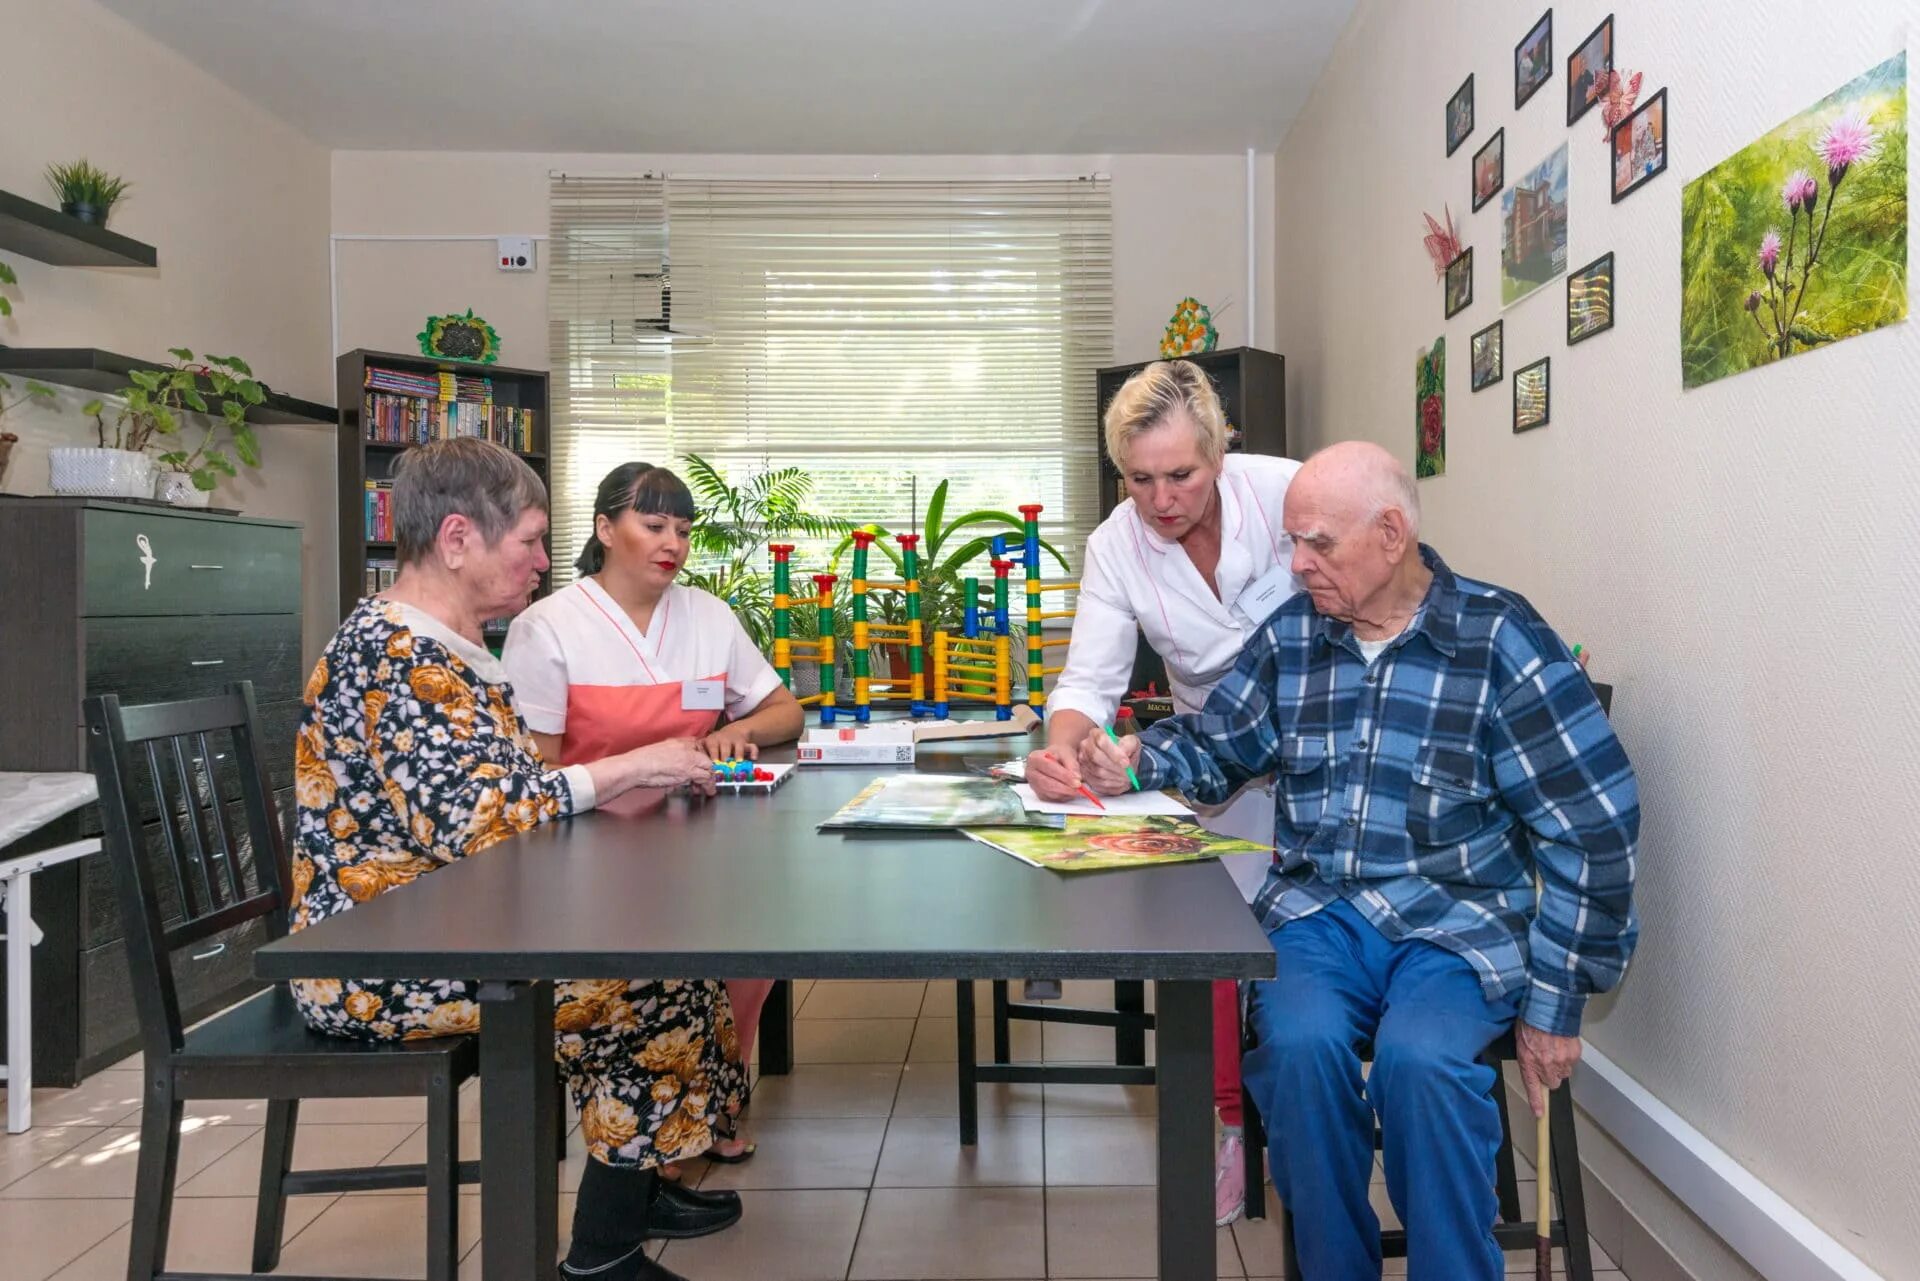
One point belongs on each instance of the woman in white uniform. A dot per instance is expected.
(1196, 559)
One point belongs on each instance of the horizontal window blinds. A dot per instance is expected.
(611, 361)
(882, 334)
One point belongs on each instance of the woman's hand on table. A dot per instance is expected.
(1053, 775)
(730, 743)
(1104, 763)
(674, 762)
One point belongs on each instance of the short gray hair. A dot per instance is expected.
(488, 484)
(1396, 488)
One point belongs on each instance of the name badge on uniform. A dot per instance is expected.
(702, 696)
(1264, 595)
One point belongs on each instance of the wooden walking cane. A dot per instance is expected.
(1543, 1165)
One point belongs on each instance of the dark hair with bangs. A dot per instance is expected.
(634, 487)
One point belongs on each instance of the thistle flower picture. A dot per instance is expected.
(1799, 239)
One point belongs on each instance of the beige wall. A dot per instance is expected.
(1739, 557)
(1178, 228)
(234, 199)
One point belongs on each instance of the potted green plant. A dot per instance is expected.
(730, 539)
(87, 192)
(155, 411)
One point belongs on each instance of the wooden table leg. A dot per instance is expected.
(519, 1181)
(1183, 1047)
(776, 1030)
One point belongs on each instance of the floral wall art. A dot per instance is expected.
(1430, 410)
(1800, 238)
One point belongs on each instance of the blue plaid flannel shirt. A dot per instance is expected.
(1428, 788)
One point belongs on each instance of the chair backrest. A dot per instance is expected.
(185, 865)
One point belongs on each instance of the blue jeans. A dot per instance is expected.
(1339, 983)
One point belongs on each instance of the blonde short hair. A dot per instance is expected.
(1147, 398)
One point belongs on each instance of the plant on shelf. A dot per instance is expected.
(737, 522)
(7, 278)
(87, 192)
(156, 408)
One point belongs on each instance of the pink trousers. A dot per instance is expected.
(1226, 1051)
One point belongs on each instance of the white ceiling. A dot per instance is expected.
(765, 76)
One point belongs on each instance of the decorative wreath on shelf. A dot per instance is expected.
(1190, 332)
(467, 337)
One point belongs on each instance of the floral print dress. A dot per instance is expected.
(410, 756)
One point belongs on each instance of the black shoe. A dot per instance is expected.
(679, 1212)
(632, 1266)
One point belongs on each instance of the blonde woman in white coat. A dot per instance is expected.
(1196, 559)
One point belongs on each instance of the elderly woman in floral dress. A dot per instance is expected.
(411, 756)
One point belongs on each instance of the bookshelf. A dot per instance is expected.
(406, 404)
(1253, 392)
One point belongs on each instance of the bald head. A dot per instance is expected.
(1359, 478)
(1354, 516)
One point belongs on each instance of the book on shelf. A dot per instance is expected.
(379, 511)
(401, 408)
(380, 575)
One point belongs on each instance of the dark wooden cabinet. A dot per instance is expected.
(1253, 391)
(150, 603)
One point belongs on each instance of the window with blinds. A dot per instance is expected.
(885, 335)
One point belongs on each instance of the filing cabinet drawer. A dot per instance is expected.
(135, 563)
(208, 976)
(154, 660)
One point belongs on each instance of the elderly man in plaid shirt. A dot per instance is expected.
(1435, 748)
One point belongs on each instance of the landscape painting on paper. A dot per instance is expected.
(1533, 228)
(1800, 238)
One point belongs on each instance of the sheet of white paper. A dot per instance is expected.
(1132, 805)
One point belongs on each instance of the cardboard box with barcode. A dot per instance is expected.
(894, 742)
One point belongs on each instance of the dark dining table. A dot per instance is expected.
(743, 886)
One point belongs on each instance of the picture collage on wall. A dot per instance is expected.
(1536, 237)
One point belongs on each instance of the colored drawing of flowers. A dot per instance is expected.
(1430, 410)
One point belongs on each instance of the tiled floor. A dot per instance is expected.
(860, 1174)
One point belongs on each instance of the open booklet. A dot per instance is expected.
(912, 800)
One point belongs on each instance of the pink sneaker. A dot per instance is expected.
(1230, 1182)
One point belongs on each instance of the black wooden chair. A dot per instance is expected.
(1129, 1019)
(1512, 1231)
(205, 875)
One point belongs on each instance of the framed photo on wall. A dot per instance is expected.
(1459, 116)
(1590, 299)
(1586, 66)
(1460, 283)
(1532, 395)
(1640, 147)
(1533, 60)
(1490, 168)
(1487, 356)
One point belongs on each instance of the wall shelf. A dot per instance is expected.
(50, 236)
(91, 369)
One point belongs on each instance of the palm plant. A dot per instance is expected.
(737, 522)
